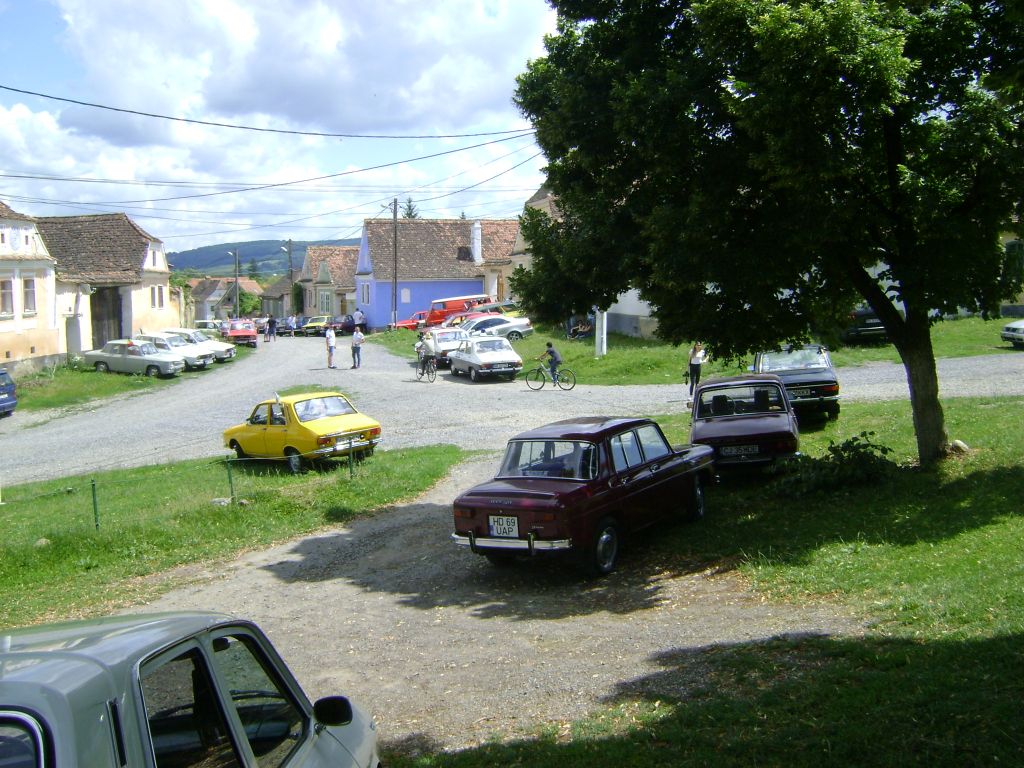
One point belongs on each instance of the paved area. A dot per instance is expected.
(186, 420)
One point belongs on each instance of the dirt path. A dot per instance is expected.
(446, 650)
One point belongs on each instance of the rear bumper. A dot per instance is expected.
(530, 544)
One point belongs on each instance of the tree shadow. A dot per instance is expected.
(409, 553)
(793, 701)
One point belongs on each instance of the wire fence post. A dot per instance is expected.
(95, 506)
(351, 460)
(231, 481)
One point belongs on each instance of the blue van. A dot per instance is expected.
(8, 394)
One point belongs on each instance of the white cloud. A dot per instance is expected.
(339, 66)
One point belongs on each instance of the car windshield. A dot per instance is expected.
(793, 359)
(322, 408)
(568, 459)
(493, 345)
(749, 399)
(176, 341)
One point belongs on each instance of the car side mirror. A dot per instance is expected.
(333, 710)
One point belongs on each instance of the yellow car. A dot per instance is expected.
(304, 427)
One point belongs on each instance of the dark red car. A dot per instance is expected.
(579, 485)
(239, 332)
(747, 420)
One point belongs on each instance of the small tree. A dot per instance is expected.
(298, 299)
(409, 210)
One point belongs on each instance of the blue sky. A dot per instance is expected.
(391, 68)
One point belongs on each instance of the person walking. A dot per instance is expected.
(271, 329)
(329, 336)
(357, 347)
(359, 319)
(697, 357)
(555, 359)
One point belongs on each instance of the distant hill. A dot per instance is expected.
(267, 254)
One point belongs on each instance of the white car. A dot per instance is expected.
(1014, 333)
(440, 341)
(485, 356)
(222, 351)
(195, 356)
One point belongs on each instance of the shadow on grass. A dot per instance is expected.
(807, 701)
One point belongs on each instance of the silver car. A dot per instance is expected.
(196, 357)
(512, 328)
(129, 356)
(170, 689)
(1014, 333)
(222, 351)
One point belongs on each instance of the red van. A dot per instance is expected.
(442, 308)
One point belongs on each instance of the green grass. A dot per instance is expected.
(930, 560)
(153, 518)
(649, 361)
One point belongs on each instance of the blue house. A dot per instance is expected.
(435, 258)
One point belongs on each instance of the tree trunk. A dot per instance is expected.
(915, 348)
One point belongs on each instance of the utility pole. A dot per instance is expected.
(394, 276)
(237, 295)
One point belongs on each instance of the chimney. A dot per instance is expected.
(476, 243)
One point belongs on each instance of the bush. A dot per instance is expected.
(855, 461)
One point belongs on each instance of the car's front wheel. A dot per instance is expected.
(237, 449)
(102, 367)
(473, 375)
(152, 371)
(603, 553)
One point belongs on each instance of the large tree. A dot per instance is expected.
(754, 168)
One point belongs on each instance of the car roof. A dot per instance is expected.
(300, 396)
(736, 381)
(64, 656)
(588, 428)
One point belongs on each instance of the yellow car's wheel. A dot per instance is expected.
(294, 459)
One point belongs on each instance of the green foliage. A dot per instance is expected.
(298, 299)
(248, 303)
(409, 210)
(855, 461)
(752, 166)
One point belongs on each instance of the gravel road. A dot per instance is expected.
(445, 650)
(185, 421)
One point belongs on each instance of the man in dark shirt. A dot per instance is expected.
(554, 361)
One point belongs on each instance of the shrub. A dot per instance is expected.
(855, 461)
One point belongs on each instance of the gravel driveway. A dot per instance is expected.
(445, 650)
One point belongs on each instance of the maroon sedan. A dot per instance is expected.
(748, 420)
(579, 485)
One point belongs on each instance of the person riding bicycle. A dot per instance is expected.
(554, 361)
(424, 352)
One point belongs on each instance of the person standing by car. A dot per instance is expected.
(359, 319)
(357, 347)
(329, 336)
(271, 329)
(697, 357)
(555, 359)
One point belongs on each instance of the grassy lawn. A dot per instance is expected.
(649, 361)
(931, 561)
(153, 518)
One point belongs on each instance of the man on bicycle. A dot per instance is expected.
(554, 361)
(424, 352)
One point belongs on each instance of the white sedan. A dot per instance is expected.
(439, 342)
(222, 351)
(477, 357)
(1014, 333)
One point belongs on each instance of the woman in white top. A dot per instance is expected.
(697, 357)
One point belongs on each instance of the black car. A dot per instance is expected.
(343, 324)
(807, 373)
(864, 326)
(8, 394)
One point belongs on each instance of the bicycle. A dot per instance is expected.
(536, 378)
(427, 367)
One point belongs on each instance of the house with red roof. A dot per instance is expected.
(406, 264)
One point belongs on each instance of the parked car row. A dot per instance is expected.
(160, 353)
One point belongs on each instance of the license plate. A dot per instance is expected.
(800, 392)
(505, 526)
(738, 450)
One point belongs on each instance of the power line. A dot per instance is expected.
(256, 129)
